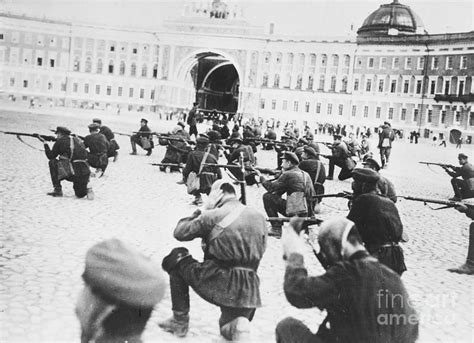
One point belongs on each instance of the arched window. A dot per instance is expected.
(333, 83)
(88, 67)
(321, 83)
(312, 59)
(122, 68)
(290, 58)
(111, 67)
(299, 81)
(347, 60)
(310, 82)
(265, 80)
(133, 70)
(287, 80)
(144, 70)
(155, 71)
(344, 84)
(268, 57)
(278, 58)
(99, 66)
(301, 59)
(77, 64)
(324, 60)
(335, 60)
(276, 81)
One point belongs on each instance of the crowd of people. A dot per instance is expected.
(361, 252)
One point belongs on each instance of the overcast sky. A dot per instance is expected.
(291, 17)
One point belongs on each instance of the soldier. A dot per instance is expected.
(143, 138)
(70, 151)
(377, 220)
(234, 240)
(176, 151)
(192, 120)
(361, 295)
(364, 147)
(238, 148)
(384, 186)
(107, 132)
(121, 288)
(468, 266)
(98, 146)
(386, 137)
(341, 157)
(464, 187)
(299, 188)
(314, 168)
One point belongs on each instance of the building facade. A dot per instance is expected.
(391, 71)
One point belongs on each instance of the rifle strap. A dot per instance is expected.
(31, 146)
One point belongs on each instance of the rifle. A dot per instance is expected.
(448, 203)
(329, 145)
(438, 164)
(267, 171)
(123, 134)
(344, 194)
(176, 165)
(175, 139)
(35, 135)
(326, 156)
(306, 220)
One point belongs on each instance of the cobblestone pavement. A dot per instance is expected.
(44, 239)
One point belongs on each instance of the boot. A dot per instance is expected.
(466, 268)
(133, 153)
(275, 231)
(116, 156)
(57, 192)
(237, 330)
(178, 324)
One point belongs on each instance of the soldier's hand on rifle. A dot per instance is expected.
(461, 208)
(41, 139)
(291, 241)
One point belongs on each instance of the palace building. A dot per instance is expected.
(391, 70)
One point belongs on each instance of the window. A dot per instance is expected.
(122, 68)
(418, 87)
(290, 58)
(344, 84)
(112, 48)
(370, 62)
(274, 104)
(295, 106)
(390, 113)
(51, 62)
(302, 59)
(403, 115)
(463, 64)
(340, 109)
(155, 71)
(284, 106)
(415, 114)
(299, 82)
(97, 89)
(52, 41)
(396, 63)
(287, 80)
(393, 86)
(268, 57)
(88, 65)
(408, 63)
(109, 90)
(368, 86)
(377, 112)
(278, 58)
(329, 109)
(152, 94)
(276, 81)
(306, 106)
(432, 87)
(130, 92)
(142, 93)
(435, 63)
(449, 62)
(318, 107)
(457, 117)
(1, 36)
(406, 86)
(63, 86)
(134, 51)
(324, 60)
(461, 88)
(312, 59)
(421, 63)
(366, 111)
(144, 70)
(381, 85)
(12, 81)
(40, 40)
(133, 70)
(50, 85)
(99, 66)
(120, 91)
(354, 110)
(265, 80)
(76, 65)
(471, 119)
(310, 82)
(321, 83)
(39, 61)
(383, 63)
(75, 87)
(356, 84)
(111, 67)
(335, 60)
(443, 117)
(333, 84)
(86, 88)
(347, 61)
(429, 118)
(447, 85)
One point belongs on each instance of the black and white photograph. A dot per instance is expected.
(289, 171)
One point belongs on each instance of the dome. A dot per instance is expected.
(392, 19)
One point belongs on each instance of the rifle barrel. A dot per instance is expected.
(432, 201)
(307, 220)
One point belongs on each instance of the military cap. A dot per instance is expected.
(93, 126)
(310, 151)
(291, 156)
(337, 136)
(144, 120)
(62, 129)
(372, 162)
(176, 129)
(234, 135)
(202, 140)
(97, 120)
(183, 125)
(365, 175)
(463, 156)
(123, 275)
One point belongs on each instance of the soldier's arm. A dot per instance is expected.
(278, 186)
(197, 225)
(51, 153)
